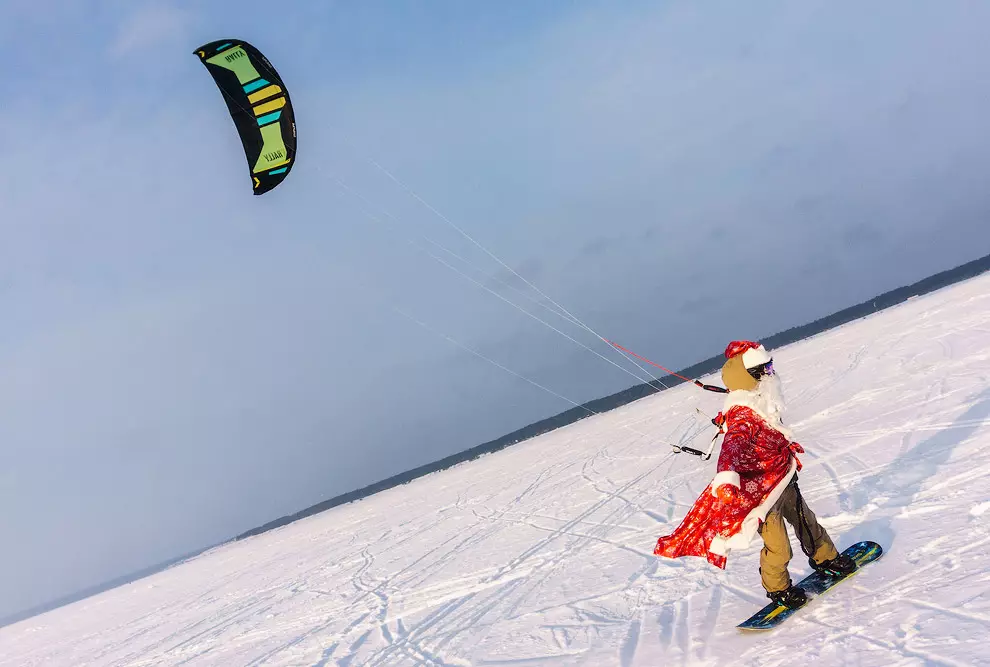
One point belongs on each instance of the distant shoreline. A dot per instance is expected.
(882, 302)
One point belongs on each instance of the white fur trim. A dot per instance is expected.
(751, 400)
(751, 524)
(725, 477)
(754, 357)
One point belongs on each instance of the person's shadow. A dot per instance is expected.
(901, 479)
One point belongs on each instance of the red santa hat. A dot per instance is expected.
(753, 354)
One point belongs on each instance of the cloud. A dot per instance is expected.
(597, 247)
(704, 305)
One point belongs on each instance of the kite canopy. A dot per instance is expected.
(259, 104)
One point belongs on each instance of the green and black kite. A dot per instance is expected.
(259, 104)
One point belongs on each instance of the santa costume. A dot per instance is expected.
(755, 487)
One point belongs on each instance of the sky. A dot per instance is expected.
(181, 361)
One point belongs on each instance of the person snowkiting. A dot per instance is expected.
(755, 488)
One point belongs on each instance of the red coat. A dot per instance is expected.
(756, 458)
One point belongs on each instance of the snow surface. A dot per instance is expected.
(541, 554)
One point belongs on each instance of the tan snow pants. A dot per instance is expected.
(776, 552)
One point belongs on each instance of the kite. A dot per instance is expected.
(259, 105)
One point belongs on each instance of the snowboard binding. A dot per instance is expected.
(840, 566)
(791, 597)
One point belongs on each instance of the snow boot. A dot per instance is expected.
(839, 566)
(791, 597)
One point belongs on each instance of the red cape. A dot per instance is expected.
(759, 461)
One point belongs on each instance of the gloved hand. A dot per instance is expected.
(727, 493)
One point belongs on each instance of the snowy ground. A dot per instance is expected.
(541, 553)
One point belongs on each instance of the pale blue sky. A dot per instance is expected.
(181, 361)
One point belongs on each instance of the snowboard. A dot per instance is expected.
(814, 585)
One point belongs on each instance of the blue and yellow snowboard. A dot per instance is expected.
(814, 585)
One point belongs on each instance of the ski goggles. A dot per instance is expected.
(759, 371)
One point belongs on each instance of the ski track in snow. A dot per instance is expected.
(541, 554)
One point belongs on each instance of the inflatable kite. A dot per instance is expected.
(259, 105)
